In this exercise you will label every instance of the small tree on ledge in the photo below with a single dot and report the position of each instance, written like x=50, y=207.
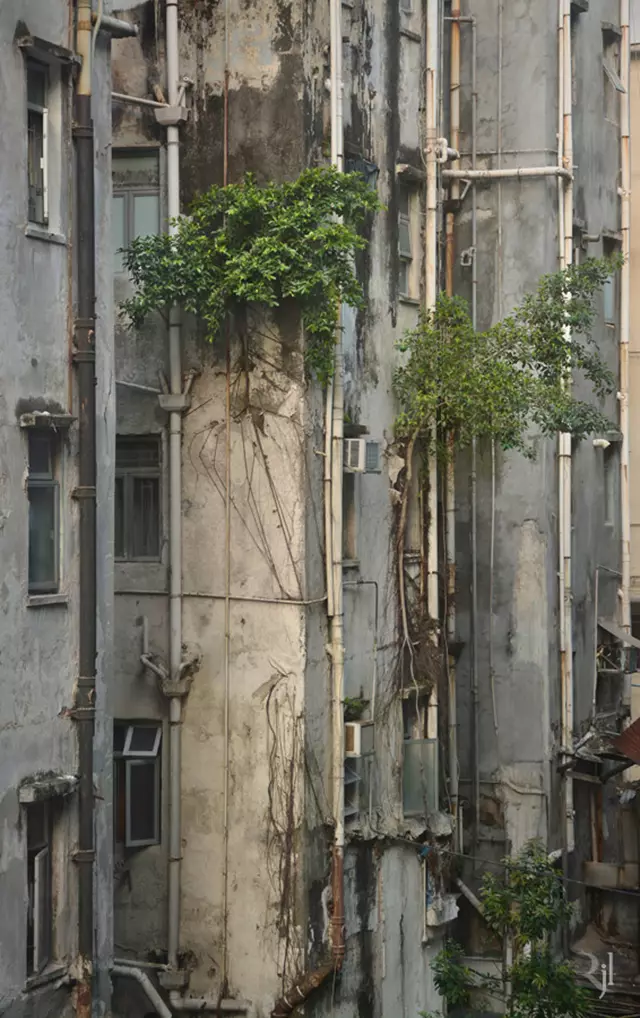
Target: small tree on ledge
x=244, y=244
x=527, y=907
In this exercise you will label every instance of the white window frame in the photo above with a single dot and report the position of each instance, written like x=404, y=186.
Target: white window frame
x=42, y=909
x=41, y=904
x=127, y=751
x=44, y=113
x=136, y=758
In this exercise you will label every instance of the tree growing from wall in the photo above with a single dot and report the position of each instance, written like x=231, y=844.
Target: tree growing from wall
x=526, y=907
x=247, y=244
x=510, y=381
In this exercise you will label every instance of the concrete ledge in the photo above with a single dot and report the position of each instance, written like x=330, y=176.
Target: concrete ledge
x=39, y=789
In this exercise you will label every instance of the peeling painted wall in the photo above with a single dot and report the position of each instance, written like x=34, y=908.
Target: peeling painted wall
x=38, y=638
x=519, y=711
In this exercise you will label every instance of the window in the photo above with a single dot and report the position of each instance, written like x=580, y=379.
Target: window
x=613, y=86
x=405, y=252
x=39, y=917
x=359, y=774
x=349, y=517
x=135, y=210
x=610, y=289
x=136, y=752
x=44, y=510
x=420, y=762
x=137, y=495
x=610, y=484
x=37, y=125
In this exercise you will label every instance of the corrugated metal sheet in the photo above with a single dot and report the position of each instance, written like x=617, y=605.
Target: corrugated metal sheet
x=620, y=634
x=629, y=742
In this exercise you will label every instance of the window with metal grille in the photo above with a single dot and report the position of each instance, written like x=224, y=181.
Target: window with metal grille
x=40, y=911
x=136, y=756
x=44, y=511
x=137, y=496
x=37, y=124
x=135, y=208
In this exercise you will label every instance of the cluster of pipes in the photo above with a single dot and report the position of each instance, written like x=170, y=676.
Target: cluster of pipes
x=333, y=475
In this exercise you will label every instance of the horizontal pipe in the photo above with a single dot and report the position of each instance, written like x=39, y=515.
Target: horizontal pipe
x=135, y=963
x=141, y=592
x=138, y=386
x=136, y=100
x=152, y=995
x=515, y=173
x=115, y=27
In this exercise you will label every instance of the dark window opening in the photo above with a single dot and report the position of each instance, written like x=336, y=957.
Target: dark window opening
x=44, y=505
x=137, y=498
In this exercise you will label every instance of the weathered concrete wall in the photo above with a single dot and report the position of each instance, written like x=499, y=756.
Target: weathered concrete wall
x=517, y=243
x=38, y=637
x=278, y=674
x=634, y=344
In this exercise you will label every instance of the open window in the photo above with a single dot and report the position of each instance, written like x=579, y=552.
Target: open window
x=40, y=911
x=136, y=753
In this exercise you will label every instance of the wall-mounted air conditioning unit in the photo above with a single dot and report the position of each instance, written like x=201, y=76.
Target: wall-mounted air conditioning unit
x=361, y=456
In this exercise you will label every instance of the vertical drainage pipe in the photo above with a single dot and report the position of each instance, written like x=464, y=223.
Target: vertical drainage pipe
x=84, y=356
x=564, y=439
x=475, y=695
x=625, y=203
x=175, y=519
x=431, y=289
x=335, y=393
x=450, y=481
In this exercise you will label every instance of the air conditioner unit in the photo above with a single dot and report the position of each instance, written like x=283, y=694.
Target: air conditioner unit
x=354, y=455
x=352, y=739
x=361, y=457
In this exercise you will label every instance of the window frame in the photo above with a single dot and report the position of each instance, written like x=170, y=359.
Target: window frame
x=406, y=257
x=31, y=63
x=128, y=475
x=45, y=481
x=350, y=517
x=128, y=193
x=611, y=78
x=39, y=946
x=610, y=488
x=125, y=761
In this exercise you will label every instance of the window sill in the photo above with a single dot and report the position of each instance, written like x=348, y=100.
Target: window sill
x=45, y=600
x=42, y=233
x=52, y=973
x=411, y=301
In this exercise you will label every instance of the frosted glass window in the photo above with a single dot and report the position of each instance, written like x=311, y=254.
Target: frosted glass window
x=146, y=214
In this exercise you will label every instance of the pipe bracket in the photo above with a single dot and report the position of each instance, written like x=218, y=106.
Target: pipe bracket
x=84, y=856
x=84, y=491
